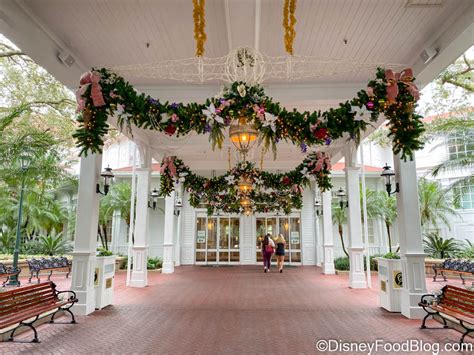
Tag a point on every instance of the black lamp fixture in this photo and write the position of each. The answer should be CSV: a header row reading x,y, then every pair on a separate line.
x,y
318,207
341,194
153,199
387,173
178,203
108,179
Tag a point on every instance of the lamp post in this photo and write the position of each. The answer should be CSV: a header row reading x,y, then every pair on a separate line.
x,y
108,176
154,199
318,206
387,173
25,161
341,194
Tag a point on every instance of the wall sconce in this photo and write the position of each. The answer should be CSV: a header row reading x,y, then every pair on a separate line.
x,y
153,199
387,173
341,194
318,207
108,179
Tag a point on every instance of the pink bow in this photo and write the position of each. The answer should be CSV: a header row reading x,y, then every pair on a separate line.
x,y
405,77
321,162
297,188
89,79
168,162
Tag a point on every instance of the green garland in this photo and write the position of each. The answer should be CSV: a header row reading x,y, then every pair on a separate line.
x,y
270,193
111,95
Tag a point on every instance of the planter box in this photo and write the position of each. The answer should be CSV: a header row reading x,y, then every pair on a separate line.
x,y
390,284
104,281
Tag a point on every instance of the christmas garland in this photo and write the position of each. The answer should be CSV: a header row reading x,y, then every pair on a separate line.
x,y
103,94
270,192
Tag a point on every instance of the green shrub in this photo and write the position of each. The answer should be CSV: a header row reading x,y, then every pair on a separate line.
x,y
467,250
342,263
104,252
31,247
438,247
54,244
391,256
154,263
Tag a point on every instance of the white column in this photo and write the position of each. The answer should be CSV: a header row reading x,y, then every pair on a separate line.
x,y
177,249
354,223
317,234
411,240
85,242
139,277
168,260
328,244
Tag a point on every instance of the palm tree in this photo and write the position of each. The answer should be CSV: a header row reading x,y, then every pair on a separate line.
x,y
118,199
438,247
435,203
339,218
387,207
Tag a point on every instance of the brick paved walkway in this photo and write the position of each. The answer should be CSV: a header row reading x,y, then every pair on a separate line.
x,y
235,310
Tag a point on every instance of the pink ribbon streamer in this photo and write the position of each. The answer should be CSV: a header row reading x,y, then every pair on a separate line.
x,y
168,162
405,77
91,79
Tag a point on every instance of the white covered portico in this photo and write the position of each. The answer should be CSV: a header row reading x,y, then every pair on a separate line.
x,y
397,35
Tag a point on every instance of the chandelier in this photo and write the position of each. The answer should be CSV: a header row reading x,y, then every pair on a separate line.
x,y
243,135
245,185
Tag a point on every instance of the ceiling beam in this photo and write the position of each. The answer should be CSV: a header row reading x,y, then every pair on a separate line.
x,y
258,12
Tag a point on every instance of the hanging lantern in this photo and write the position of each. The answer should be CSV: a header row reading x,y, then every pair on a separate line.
x,y
245,202
243,135
245,186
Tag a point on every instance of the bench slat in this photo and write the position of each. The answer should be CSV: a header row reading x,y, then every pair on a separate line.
x,y
30,314
25,299
24,290
456,303
13,308
453,313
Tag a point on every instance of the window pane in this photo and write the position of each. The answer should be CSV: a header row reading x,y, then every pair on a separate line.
x,y
211,234
295,238
200,256
234,233
200,233
224,233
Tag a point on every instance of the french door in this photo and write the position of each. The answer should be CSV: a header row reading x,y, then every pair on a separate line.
x,y
289,226
217,240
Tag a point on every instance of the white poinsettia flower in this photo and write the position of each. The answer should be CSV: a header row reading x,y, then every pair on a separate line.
x,y
242,90
269,121
212,115
258,181
361,114
165,117
306,173
120,111
230,179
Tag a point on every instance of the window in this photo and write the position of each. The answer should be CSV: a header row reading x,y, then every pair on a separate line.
x,y
461,144
466,195
370,229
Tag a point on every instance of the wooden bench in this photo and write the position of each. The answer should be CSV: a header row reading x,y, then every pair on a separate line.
x,y
23,306
37,265
454,304
458,267
9,271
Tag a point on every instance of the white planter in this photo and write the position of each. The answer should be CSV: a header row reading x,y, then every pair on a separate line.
x,y
390,283
104,281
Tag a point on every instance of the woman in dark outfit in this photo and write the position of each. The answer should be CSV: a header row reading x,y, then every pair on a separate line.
x,y
280,252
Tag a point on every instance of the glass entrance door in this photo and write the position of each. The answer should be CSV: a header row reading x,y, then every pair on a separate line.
x,y
289,226
217,240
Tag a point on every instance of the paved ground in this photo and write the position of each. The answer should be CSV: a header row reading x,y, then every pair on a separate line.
x,y
234,310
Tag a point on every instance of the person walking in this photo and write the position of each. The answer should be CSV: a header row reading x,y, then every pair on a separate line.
x,y
280,252
268,247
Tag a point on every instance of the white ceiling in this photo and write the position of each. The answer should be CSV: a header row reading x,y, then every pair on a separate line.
x,y
115,32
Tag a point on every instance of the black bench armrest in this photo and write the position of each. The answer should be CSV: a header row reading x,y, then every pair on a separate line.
x,y
72,298
423,301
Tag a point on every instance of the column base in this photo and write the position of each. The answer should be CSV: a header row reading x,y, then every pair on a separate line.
x,y
414,284
168,261
139,276
357,273
82,282
328,262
